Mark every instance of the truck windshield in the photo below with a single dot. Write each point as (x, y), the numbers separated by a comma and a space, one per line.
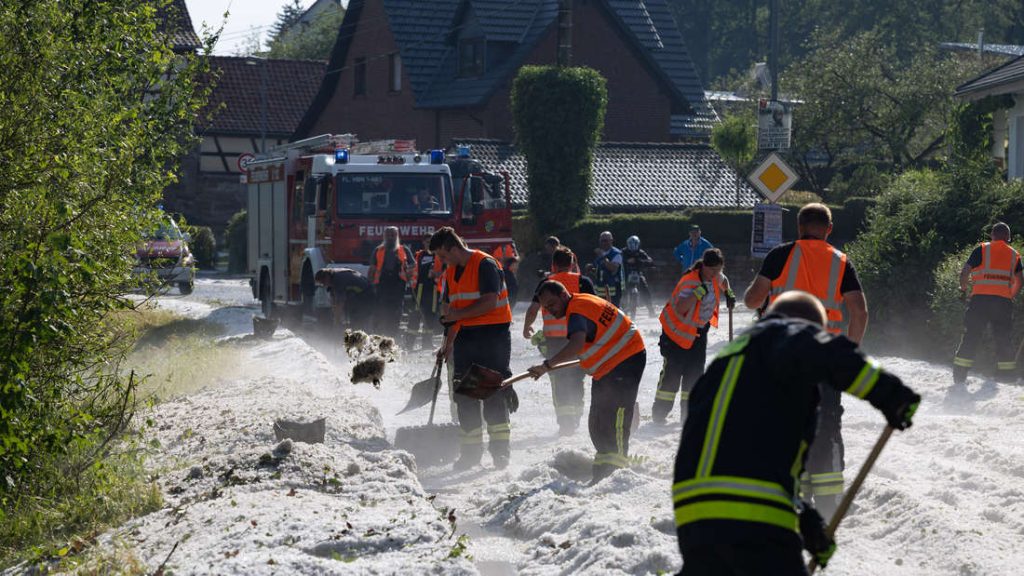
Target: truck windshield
(378, 194)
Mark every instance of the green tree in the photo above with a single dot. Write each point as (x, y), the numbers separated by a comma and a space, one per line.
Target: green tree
(286, 18)
(95, 110)
(864, 104)
(735, 140)
(558, 115)
(313, 41)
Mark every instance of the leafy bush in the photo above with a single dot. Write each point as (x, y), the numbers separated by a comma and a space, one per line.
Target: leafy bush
(920, 219)
(558, 114)
(203, 245)
(237, 239)
(79, 183)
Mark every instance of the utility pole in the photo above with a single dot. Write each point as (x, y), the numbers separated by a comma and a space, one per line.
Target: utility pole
(773, 46)
(564, 33)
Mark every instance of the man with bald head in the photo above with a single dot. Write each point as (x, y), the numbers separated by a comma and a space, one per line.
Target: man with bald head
(992, 277)
(744, 445)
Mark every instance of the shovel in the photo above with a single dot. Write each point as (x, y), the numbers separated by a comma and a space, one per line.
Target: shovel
(481, 383)
(433, 443)
(844, 504)
(730, 324)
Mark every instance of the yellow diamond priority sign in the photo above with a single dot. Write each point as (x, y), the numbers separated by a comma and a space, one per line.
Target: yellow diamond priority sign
(773, 177)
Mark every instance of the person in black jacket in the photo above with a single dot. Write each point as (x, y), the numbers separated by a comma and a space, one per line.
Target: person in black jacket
(751, 417)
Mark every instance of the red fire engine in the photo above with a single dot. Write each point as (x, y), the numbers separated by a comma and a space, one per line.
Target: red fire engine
(324, 202)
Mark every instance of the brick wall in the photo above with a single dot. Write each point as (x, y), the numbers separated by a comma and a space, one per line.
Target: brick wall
(638, 106)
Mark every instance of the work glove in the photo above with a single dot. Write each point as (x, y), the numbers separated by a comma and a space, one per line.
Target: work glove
(815, 535)
(730, 299)
(902, 417)
(700, 292)
(540, 341)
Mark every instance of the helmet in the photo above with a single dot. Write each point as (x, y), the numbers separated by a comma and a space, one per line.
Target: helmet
(633, 243)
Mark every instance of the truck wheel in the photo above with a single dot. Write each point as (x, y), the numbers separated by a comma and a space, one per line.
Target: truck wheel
(185, 288)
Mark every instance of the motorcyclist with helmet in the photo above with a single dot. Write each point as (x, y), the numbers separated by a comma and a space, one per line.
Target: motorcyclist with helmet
(634, 260)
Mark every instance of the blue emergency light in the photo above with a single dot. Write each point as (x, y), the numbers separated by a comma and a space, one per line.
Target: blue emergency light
(463, 152)
(341, 155)
(437, 156)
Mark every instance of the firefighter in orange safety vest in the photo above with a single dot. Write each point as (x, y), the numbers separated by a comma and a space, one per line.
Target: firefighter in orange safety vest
(611, 350)
(390, 269)
(813, 265)
(688, 315)
(508, 257)
(426, 287)
(994, 272)
(479, 320)
(567, 383)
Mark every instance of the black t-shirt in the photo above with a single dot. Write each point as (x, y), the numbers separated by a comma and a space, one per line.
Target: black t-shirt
(580, 323)
(347, 283)
(975, 260)
(775, 262)
(586, 287)
(426, 264)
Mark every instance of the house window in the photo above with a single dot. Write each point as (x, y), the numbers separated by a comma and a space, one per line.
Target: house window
(359, 83)
(394, 73)
(471, 57)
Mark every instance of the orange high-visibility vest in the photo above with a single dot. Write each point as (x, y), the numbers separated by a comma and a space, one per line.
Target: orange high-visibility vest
(817, 267)
(465, 291)
(616, 339)
(683, 330)
(504, 252)
(555, 327)
(995, 274)
(378, 257)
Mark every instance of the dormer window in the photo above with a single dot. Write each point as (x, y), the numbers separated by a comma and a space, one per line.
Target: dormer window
(471, 57)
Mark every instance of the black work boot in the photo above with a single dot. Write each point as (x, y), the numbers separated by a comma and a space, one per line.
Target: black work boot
(959, 374)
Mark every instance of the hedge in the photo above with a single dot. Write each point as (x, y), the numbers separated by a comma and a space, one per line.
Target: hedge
(237, 239)
(203, 245)
(662, 230)
(558, 115)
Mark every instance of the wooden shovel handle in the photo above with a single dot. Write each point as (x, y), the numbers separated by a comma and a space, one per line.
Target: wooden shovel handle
(526, 375)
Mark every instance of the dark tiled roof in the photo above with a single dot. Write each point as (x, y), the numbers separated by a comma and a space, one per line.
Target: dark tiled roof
(651, 24)
(174, 18)
(508, 20)
(1012, 71)
(636, 176)
(421, 31)
(530, 19)
(291, 86)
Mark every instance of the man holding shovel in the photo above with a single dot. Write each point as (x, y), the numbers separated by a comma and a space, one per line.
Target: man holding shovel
(611, 350)
(567, 383)
(752, 416)
(478, 316)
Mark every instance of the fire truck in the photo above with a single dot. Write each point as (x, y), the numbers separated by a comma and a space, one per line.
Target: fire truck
(325, 201)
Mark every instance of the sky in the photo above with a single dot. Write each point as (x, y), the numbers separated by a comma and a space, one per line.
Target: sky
(245, 18)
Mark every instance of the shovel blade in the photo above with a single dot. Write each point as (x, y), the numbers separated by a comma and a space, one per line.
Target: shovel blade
(431, 444)
(422, 394)
(480, 383)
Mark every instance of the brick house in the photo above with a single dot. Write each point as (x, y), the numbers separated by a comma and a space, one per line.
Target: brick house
(254, 101)
(442, 70)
